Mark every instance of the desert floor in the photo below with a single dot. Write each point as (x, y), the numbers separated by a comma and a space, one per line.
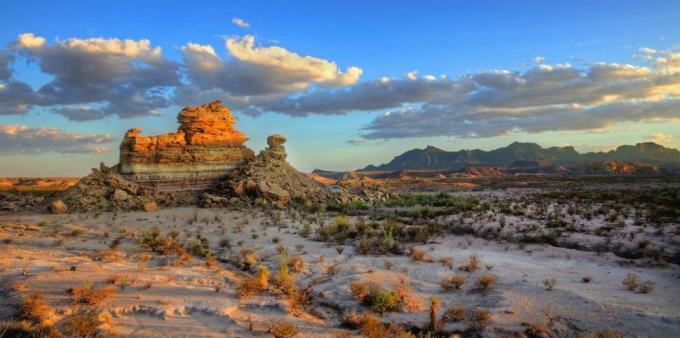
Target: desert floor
(150, 294)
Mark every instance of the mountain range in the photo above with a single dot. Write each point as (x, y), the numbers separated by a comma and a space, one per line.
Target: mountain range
(525, 155)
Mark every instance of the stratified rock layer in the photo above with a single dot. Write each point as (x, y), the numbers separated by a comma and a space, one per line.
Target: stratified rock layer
(204, 149)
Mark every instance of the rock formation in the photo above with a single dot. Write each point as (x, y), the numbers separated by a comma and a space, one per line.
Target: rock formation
(269, 177)
(202, 151)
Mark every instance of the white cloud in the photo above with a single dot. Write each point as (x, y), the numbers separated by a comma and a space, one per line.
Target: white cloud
(662, 138)
(123, 77)
(412, 75)
(539, 59)
(23, 139)
(240, 22)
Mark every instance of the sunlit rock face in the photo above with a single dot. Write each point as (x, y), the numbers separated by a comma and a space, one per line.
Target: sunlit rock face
(203, 150)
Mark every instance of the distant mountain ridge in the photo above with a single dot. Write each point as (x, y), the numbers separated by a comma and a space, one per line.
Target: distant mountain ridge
(520, 154)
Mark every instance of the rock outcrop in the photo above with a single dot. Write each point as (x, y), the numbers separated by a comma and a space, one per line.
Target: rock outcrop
(269, 177)
(203, 150)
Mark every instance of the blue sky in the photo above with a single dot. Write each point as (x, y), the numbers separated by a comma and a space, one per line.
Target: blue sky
(383, 39)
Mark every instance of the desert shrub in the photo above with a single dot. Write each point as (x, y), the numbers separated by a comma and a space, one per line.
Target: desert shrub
(372, 327)
(536, 330)
(296, 263)
(447, 262)
(247, 259)
(89, 295)
(351, 320)
(453, 282)
(631, 281)
(549, 283)
(418, 255)
(255, 284)
(486, 281)
(363, 246)
(83, 324)
(480, 318)
(646, 287)
(375, 297)
(435, 321)
(306, 230)
(283, 329)
(34, 307)
(472, 264)
(587, 279)
(409, 302)
(225, 243)
(454, 313)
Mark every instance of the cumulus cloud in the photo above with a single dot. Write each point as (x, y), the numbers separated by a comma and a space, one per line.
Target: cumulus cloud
(543, 98)
(539, 59)
(240, 22)
(23, 139)
(255, 71)
(662, 138)
(126, 78)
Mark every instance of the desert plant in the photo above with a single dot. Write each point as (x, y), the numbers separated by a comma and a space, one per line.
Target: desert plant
(418, 255)
(486, 281)
(454, 313)
(447, 262)
(452, 282)
(35, 307)
(549, 283)
(480, 318)
(435, 322)
(89, 295)
(631, 281)
(587, 279)
(409, 302)
(283, 329)
(373, 328)
(83, 324)
(471, 265)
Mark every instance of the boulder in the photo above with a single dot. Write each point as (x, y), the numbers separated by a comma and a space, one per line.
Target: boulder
(150, 206)
(58, 207)
(120, 195)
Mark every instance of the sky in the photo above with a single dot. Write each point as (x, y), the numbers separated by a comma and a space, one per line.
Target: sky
(350, 83)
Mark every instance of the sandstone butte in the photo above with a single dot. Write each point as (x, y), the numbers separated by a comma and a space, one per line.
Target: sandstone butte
(205, 148)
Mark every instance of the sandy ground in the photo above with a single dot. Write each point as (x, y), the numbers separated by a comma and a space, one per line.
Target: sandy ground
(53, 253)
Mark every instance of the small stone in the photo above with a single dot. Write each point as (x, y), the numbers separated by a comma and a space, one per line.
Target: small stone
(150, 206)
(120, 195)
(58, 207)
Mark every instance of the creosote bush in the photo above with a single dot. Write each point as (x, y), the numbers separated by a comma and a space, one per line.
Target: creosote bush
(452, 282)
(89, 295)
(486, 281)
(283, 329)
(374, 296)
(549, 283)
(473, 263)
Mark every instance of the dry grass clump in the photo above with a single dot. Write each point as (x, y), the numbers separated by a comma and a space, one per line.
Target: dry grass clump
(34, 307)
(255, 284)
(486, 281)
(473, 263)
(418, 255)
(372, 327)
(549, 283)
(83, 324)
(409, 301)
(633, 283)
(379, 299)
(283, 329)
(480, 319)
(122, 281)
(454, 313)
(447, 262)
(453, 282)
(89, 295)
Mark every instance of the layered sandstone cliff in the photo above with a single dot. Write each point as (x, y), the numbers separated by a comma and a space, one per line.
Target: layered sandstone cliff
(203, 150)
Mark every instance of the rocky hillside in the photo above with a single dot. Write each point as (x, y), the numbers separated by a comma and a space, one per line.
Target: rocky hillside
(521, 154)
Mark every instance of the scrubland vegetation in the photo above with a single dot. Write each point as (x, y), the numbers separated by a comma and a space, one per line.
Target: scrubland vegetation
(473, 263)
